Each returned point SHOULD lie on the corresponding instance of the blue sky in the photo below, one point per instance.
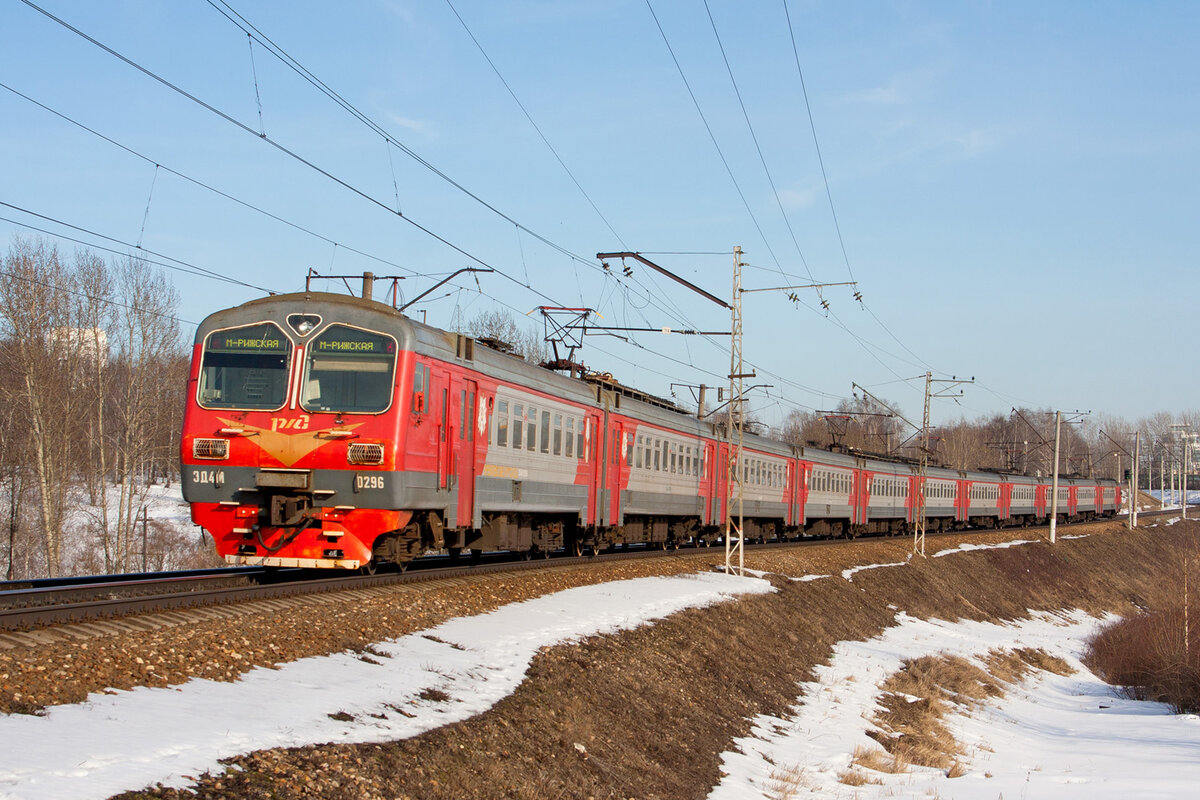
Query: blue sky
(1015, 182)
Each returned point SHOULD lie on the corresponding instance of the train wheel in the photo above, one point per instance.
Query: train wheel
(369, 568)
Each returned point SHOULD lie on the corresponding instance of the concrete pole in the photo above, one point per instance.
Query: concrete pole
(1137, 458)
(1187, 445)
(1054, 484)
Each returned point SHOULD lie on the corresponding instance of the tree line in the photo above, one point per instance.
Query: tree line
(93, 371)
(92, 376)
(1100, 446)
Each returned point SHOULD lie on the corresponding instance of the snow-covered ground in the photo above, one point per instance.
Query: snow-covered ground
(1171, 499)
(1052, 737)
(127, 740)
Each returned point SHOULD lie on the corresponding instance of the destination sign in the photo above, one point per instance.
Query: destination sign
(253, 339)
(351, 341)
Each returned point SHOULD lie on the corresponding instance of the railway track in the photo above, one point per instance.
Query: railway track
(30, 605)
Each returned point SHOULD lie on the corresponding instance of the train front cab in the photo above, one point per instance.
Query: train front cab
(291, 433)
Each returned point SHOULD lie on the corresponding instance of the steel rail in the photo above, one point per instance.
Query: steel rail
(33, 616)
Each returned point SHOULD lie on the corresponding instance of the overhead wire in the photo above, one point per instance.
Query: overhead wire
(178, 266)
(758, 147)
(294, 64)
(712, 136)
(267, 139)
(536, 127)
(650, 296)
(828, 191)
(226, 10)
(205, 186)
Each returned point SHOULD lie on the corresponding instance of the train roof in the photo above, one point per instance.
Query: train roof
(594, 390)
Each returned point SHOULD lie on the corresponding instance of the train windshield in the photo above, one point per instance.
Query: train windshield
(349, 370)
(245, 368)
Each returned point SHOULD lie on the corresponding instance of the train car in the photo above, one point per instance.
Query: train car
(331, 431)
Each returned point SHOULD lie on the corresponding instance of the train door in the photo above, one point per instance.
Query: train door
(593, 433)
(463, 432)
(709, 482)
(912, 498)
(441, 390)
(803, 476)
(1005, 500)
(721, 480)
(615, 465)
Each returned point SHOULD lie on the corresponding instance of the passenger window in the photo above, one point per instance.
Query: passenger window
(545, 431)
(531, 430)
(245, 368)
(558, 431)
(348, 370)
(518, 425)
(501, 423)
(570, 437)
(420, 386)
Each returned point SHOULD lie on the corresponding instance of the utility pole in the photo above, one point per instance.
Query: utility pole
(1185, 442)
(1137, 467)
(1183, 468)
(734, 426)
(737, 375)
(919, 509)
(1054, 484)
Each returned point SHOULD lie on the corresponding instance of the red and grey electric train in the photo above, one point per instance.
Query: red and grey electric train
(325, 430)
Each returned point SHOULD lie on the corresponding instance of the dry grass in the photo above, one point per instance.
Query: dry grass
(1148, 655)
(917, 698)
(856, 777)
(788, 784)
(1012, 666)
(879, 760)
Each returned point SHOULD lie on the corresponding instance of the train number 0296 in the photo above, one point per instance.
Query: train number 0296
(368, 482)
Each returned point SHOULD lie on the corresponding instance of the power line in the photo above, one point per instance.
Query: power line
(711, 135)
(758, 148)
(524, 111)
(183, 266)
(241, 125)
(292, 63)
(202, 184)
(816, 144)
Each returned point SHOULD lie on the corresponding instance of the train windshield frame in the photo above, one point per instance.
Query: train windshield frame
(245, 368)
(349, 370)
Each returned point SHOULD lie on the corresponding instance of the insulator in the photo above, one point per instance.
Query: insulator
(825, 304)
(628, 271)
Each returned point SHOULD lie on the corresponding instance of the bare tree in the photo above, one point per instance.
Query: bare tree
(146, 341)
(501, 326)
(37, 317)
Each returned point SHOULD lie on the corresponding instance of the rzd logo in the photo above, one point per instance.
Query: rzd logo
(299, 423)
